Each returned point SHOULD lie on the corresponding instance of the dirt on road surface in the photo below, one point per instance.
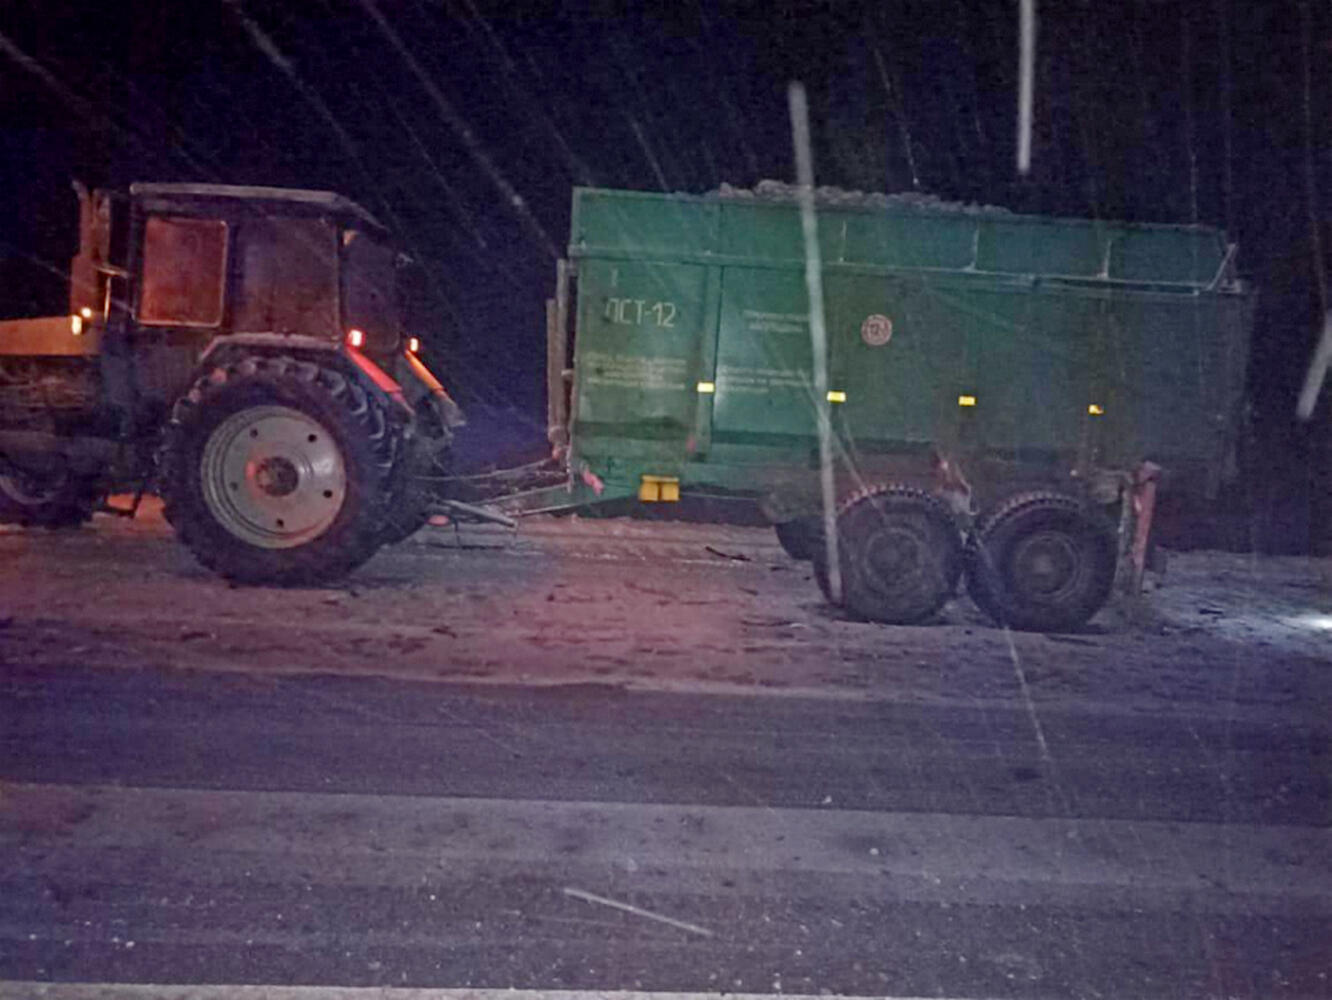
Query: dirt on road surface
(659, 605)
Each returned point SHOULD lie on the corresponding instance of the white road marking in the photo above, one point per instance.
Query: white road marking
(383, 839)
(137, 991)
(592, 897)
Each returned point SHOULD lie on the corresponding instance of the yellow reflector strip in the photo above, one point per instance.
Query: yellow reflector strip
(836, 396)
(1096, 409)
(706, 387)
(966, 400)
(654, 489)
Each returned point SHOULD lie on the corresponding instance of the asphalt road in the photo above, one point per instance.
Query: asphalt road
(203, 828)
(647, 757)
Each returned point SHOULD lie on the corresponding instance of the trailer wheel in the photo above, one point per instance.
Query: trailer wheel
(53, 500)
(800, 536)
(278, 471)
(900, 555)
(1042, 562)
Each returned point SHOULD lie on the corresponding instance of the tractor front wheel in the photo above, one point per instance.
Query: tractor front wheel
(278, 471)
(51, 499)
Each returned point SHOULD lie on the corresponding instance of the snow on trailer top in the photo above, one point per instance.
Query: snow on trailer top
(904, 232)
(326, 200)
(835, 197)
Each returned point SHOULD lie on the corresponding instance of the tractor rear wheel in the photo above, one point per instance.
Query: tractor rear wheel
(54, 499)
(900, 555)
(1042, 562)
(278, 471)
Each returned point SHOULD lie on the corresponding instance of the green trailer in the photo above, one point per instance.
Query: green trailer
(997, 384)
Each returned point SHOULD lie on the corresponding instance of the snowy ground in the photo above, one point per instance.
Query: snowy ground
(664, 606)
(1140, 809)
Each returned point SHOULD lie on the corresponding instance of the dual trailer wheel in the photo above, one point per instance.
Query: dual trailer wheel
(1040, 562)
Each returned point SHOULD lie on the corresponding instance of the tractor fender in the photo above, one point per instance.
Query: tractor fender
(349, 361)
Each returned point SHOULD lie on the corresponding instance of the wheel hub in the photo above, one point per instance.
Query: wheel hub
(894, 555)
(1048, 565)
(276, 476)
(273, 476)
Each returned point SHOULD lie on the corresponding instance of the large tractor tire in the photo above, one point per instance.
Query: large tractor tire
(278, 471)
(57, 499)
(1042, 562)
(900, 555)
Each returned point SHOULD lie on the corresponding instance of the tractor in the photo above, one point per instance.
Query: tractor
(240, 352)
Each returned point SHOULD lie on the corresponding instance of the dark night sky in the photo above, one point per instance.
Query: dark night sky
(433, 112)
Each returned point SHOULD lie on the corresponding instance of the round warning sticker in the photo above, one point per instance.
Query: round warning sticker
(876, 330)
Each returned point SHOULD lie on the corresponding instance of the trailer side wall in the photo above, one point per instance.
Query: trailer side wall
(1036, 343)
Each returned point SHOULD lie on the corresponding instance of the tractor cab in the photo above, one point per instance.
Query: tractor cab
(173, 267)
(241, 351)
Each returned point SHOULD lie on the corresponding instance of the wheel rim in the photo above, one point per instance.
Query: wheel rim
(273, 476)
(1048, 567)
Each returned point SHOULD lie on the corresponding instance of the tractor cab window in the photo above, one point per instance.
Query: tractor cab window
(287, 279)
(369, 280)
(184, 271)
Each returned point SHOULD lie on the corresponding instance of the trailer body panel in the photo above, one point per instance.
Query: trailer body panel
(1034, 347)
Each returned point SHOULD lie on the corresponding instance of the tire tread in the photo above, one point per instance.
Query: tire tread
(319, 560)
(986, 591)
